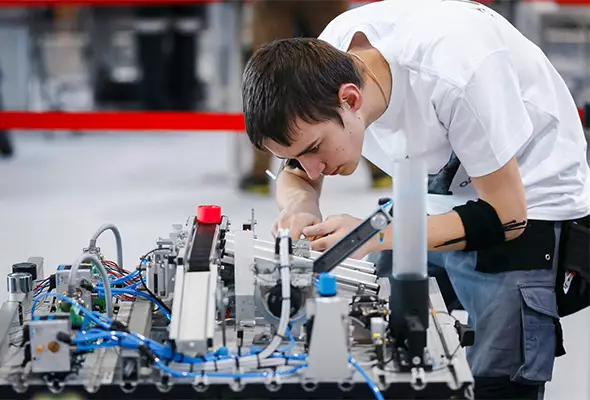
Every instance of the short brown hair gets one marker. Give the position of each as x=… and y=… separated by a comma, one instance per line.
x=293, y=78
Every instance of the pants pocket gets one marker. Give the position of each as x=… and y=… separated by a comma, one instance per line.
x=538, y=316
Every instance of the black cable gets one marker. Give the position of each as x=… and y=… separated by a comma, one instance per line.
x=158, y=300
x=450, y=356
x=240, y=335
x=454, y=352
x=390, y=359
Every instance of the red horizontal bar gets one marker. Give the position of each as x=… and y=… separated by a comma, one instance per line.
x=122, y=121
x=129, y=121
x=53, y=3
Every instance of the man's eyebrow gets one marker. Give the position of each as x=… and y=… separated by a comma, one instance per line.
x=308, y=149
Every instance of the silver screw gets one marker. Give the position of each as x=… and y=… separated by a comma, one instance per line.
x=379, y=221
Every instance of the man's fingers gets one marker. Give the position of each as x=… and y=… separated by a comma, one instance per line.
x=297, y=228
x=321, y=229
x=322, y=244
x=295, y=223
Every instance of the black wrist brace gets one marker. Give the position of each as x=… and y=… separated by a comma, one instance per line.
x=483, y=227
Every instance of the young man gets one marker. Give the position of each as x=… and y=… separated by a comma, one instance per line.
x=454, y=83
x=273, y=20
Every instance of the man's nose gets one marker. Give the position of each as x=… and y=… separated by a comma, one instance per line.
x=314, y=168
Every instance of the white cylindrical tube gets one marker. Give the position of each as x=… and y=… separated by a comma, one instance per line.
x=410, y=182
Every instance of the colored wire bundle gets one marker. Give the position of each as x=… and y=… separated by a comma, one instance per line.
x=41, y=286
x=115, y=268
x=129, y=292
x=120, y=277
x=100, y=331
x=156, y=352
x=135, y=293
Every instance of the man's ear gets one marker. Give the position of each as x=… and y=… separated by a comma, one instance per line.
x=350, y=96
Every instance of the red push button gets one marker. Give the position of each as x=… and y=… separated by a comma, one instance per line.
x=209, y=214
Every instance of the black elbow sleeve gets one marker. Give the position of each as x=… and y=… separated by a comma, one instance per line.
x=483, y=227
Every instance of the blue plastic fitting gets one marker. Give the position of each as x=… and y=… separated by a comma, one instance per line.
x=326, y=285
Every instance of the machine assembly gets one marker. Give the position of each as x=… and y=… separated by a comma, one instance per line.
x=212, y=312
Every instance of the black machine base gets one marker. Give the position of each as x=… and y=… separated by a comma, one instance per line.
x=398, y=390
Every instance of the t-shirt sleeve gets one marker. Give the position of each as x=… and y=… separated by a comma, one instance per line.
x=489, y=122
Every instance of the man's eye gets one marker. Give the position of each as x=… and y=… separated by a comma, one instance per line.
x=293, y=163
x=315, y=149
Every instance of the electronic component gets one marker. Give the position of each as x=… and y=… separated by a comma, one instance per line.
x=378, y=328
x=48, y=353
x=140, y=322
x=207, y=275
x=244, y=287
x=19, y=282
x=328, y=353
x=161, y=268
x=365, y=307
x=26, y=267
x=19, y=286
x=194, y=308
x=63, y=272
x=62, y=276
x=379, y=338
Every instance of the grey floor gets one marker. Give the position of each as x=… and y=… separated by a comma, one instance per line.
x=56, y=192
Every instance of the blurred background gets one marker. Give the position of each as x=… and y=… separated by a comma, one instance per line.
x=128, y=112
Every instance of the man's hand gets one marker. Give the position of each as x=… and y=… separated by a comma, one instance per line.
x=296, y=221
x=298, y=199
x=334, y=228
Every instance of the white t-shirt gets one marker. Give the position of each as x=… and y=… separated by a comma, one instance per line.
x=468, y=86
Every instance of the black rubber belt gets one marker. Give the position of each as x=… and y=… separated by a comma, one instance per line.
x=201, y=251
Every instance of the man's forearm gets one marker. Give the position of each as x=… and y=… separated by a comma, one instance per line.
x=444, y=232
x=292, y=189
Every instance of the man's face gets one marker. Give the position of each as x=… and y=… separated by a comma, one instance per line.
x=325, y=148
